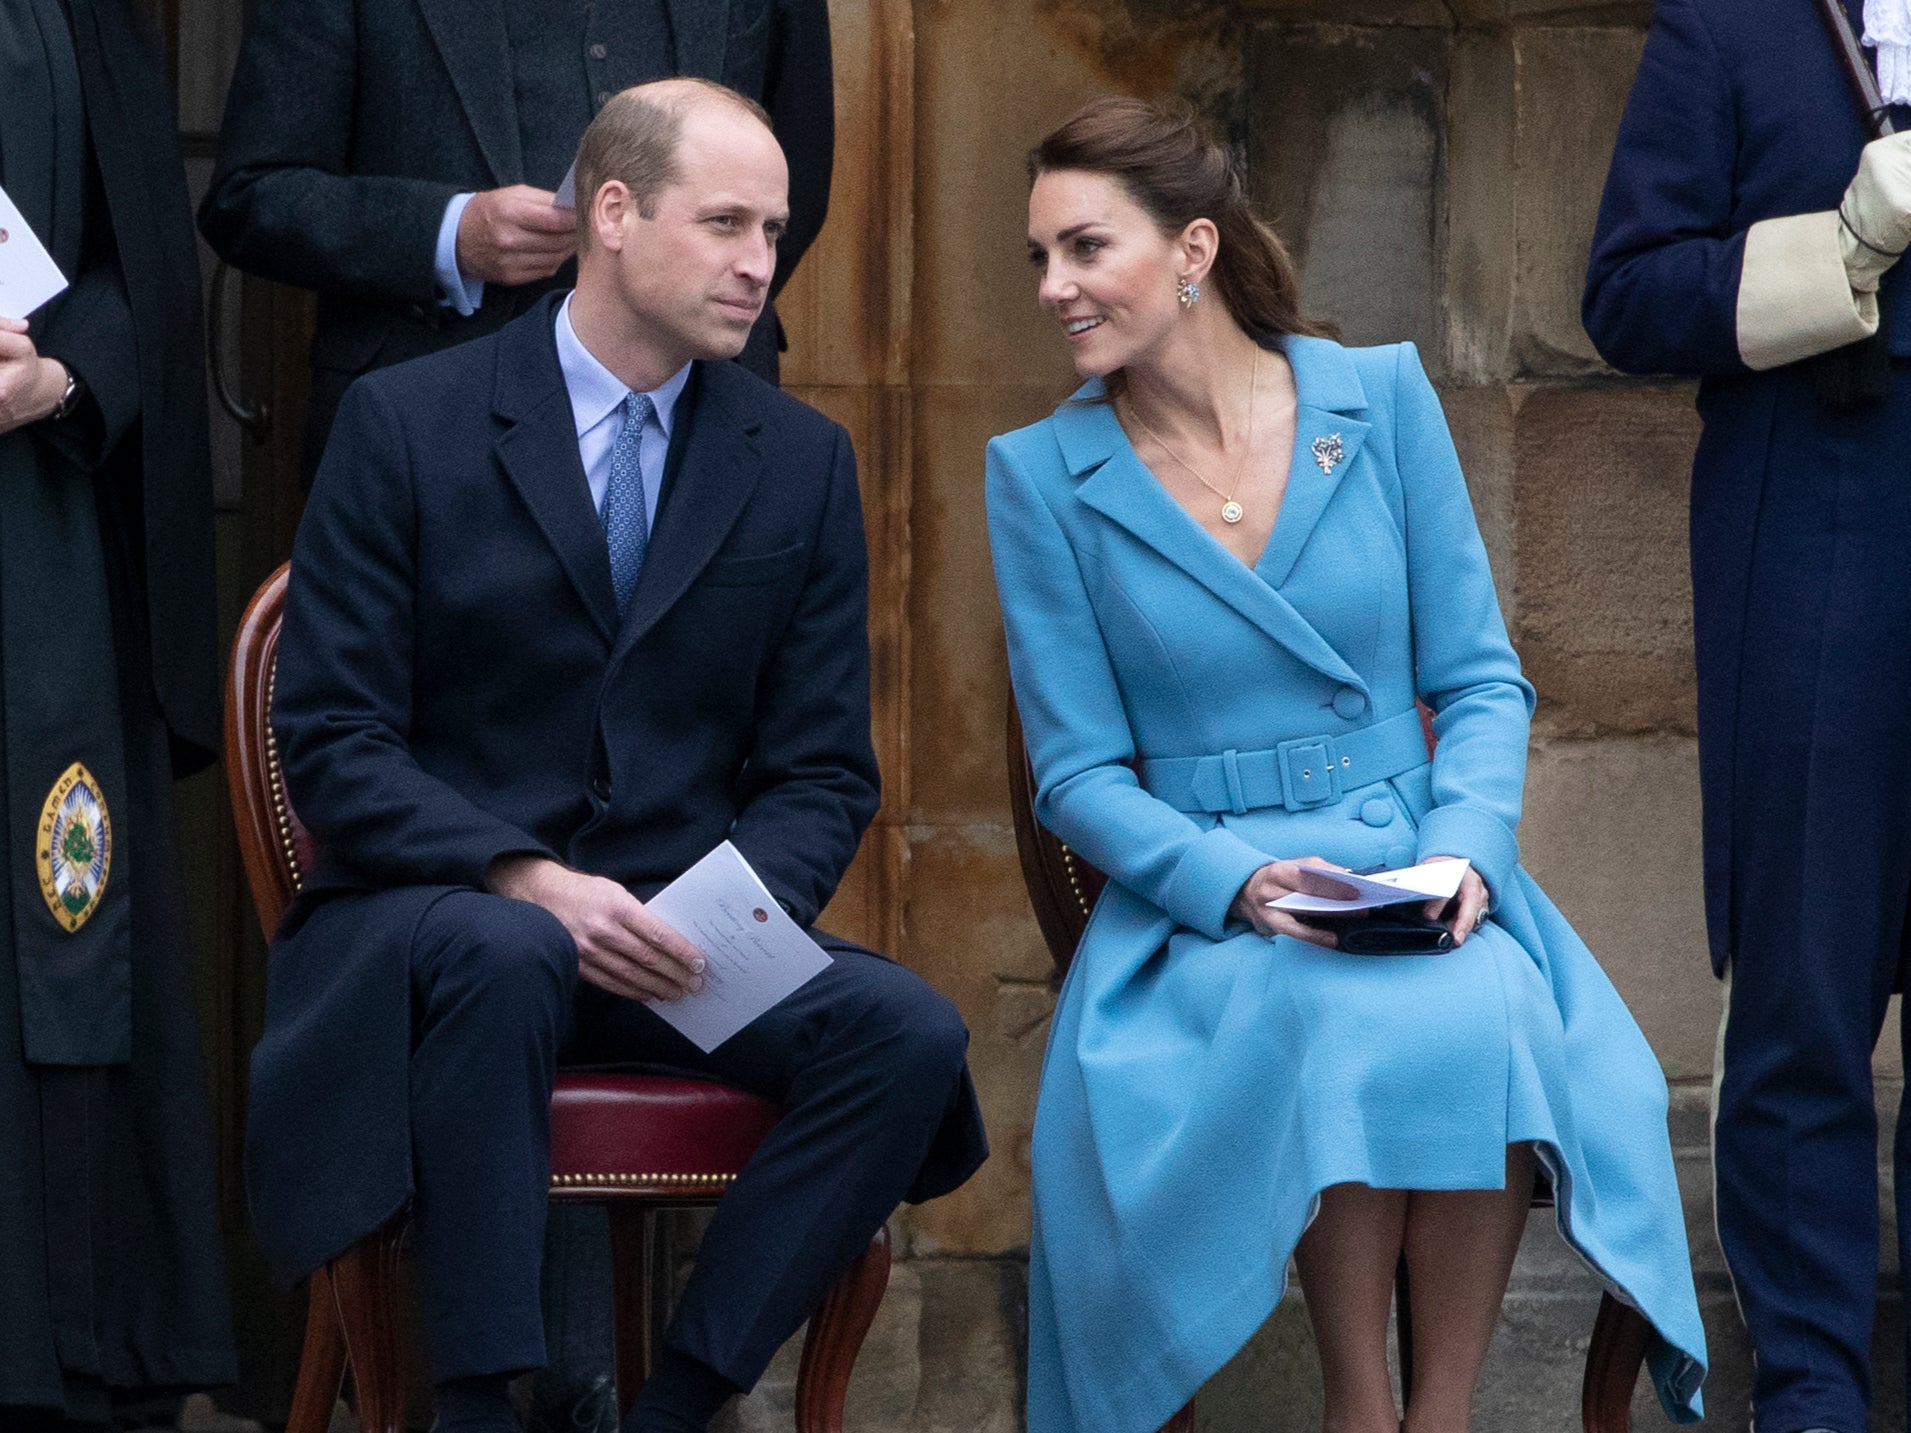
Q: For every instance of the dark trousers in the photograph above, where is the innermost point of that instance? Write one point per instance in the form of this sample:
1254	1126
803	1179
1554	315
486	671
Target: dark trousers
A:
866	1059
1821	875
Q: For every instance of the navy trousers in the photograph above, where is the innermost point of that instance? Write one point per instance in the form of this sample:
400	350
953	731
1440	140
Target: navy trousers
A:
866	1059
1821	878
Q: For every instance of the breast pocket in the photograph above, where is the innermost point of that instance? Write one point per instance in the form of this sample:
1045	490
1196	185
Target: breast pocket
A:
752	570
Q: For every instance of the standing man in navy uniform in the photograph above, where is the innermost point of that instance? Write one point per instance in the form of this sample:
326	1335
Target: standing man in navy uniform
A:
1749	235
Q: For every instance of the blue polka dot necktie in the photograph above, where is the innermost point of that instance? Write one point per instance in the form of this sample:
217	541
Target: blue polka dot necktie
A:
626	521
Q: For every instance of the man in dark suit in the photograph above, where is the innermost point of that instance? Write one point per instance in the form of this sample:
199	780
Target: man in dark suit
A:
570	605
399	157
1749	236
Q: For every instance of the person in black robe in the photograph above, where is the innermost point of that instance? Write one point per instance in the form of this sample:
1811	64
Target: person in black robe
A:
112	1287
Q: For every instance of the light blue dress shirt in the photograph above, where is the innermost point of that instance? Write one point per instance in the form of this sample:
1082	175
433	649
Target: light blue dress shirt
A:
455	291
597	400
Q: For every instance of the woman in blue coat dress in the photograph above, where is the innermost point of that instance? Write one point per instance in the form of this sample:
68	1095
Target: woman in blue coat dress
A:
1220	708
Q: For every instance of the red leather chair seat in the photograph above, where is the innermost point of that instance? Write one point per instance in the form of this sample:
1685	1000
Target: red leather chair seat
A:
662	1131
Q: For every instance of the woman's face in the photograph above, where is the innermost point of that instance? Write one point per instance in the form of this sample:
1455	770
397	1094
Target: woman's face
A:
1108	272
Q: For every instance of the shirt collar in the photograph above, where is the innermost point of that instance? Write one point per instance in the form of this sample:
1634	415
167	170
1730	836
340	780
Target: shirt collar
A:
595	391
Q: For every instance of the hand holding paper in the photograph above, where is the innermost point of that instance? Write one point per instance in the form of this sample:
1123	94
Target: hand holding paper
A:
28	275
1436	880
754	954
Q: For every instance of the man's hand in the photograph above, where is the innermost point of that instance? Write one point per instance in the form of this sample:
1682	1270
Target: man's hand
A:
30	386
1280	878
1464	912
621	946
1876	212
514	236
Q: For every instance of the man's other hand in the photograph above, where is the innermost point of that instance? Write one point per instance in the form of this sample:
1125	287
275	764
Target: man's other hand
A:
621	946
514	235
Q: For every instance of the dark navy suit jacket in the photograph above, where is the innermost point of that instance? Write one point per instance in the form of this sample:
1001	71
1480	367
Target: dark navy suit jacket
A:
1740	112
454	684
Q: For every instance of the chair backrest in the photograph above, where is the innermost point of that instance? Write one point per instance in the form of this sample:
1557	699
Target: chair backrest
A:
276	848
1062	887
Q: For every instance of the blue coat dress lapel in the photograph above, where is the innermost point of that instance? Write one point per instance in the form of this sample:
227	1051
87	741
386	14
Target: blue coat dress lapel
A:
1327	438
1119	486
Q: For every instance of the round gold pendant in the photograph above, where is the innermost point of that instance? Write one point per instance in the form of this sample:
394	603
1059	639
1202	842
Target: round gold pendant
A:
1230	511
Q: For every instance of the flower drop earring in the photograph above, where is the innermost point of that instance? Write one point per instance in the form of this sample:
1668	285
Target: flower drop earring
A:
1189	293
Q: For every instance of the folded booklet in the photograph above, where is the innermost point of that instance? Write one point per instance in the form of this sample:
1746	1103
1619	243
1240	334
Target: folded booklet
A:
1437	880
28	275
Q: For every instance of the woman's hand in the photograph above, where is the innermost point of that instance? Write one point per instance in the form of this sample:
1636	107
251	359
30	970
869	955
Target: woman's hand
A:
1465	911
30	386
1281	878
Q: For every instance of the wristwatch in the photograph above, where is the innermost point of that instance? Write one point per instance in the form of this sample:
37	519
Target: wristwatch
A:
70	397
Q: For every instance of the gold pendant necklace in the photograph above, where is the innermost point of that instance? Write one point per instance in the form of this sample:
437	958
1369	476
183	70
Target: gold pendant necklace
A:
1231	511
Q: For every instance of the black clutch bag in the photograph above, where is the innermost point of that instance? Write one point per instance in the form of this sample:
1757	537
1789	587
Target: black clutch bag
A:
1385	930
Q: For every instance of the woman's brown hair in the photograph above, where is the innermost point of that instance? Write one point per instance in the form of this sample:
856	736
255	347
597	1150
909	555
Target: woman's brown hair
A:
1177	173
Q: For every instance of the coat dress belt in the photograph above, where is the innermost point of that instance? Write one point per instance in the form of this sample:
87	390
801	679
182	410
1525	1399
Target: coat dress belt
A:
1300	774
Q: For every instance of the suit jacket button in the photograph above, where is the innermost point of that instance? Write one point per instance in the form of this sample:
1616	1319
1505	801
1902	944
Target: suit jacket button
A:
1377	811
1349	703
600	787
603	98
599	52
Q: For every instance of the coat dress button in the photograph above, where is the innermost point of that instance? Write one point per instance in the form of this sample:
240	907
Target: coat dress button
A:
1349	703
1377	811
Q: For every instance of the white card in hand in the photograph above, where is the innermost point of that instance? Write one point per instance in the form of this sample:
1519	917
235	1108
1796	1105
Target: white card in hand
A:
754	954
28	275
1438	879
566	196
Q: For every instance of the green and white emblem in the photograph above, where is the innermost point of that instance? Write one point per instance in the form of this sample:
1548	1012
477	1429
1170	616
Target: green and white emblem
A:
74	847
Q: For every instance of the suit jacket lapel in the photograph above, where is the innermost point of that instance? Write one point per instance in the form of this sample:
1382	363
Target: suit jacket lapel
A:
714	466
700	33
1120	487
538	452
470	36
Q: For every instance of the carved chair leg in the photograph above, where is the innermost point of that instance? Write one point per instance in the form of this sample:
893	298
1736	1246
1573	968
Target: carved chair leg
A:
1403	1328
634	1306
836	1334
1182	1422
321	1361
1612	1367
365	1288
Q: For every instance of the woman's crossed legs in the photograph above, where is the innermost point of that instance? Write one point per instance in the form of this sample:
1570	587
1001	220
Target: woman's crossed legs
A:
1459	1246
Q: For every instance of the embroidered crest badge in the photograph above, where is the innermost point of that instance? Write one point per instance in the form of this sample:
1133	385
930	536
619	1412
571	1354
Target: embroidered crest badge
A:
73	847
1328	451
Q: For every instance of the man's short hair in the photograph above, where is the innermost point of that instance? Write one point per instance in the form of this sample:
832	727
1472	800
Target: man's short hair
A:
635	139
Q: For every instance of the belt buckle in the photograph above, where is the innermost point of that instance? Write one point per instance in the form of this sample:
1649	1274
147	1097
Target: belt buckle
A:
1308	774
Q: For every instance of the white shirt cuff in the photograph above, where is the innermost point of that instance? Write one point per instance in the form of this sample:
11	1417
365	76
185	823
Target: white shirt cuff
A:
454	289
1794	296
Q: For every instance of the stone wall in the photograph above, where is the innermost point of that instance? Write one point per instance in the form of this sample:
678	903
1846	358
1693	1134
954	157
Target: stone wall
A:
1436	166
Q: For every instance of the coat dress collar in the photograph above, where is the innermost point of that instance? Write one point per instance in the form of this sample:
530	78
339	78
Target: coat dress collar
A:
1118	485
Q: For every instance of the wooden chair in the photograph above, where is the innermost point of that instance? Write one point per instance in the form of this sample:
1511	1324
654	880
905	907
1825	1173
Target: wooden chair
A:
634	1143
1063	889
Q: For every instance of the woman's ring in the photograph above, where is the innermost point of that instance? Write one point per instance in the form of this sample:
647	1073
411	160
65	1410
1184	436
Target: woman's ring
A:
1479	920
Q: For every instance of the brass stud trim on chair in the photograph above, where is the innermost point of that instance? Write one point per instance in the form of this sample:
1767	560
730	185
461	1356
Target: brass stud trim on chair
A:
676	1181
1074	884
277	783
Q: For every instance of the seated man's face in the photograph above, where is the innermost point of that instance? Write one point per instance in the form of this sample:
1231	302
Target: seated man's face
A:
698	273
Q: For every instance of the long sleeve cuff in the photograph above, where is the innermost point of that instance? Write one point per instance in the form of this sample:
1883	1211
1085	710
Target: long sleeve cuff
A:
1795	298
1207	878
1483	839
455	291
